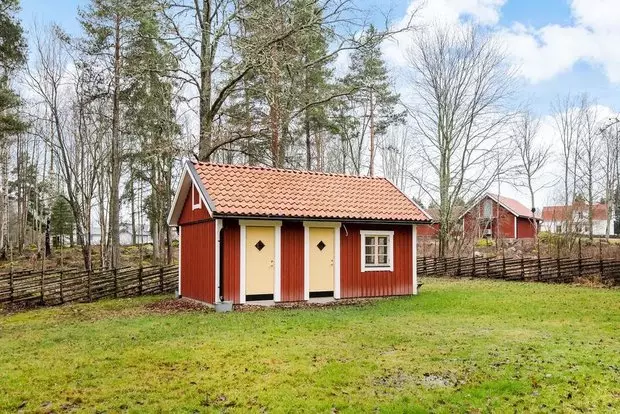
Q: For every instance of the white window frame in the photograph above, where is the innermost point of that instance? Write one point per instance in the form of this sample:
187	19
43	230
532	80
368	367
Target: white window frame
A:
196	205
390	251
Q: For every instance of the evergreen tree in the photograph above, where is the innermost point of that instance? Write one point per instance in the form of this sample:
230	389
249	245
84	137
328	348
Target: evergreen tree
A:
374	96
12	56
61	220
149	95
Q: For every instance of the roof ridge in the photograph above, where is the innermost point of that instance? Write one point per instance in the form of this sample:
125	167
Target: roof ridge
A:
287	170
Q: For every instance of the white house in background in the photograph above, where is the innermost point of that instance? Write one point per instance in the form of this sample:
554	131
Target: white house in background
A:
125	235
556	219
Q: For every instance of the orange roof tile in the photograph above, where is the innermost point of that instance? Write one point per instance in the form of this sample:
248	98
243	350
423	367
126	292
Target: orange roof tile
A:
240	190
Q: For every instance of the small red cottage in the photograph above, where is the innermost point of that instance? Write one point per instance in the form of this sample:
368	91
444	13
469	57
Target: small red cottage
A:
499	216
254	233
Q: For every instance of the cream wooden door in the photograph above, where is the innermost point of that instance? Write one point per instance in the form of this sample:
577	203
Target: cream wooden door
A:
260	260
321	258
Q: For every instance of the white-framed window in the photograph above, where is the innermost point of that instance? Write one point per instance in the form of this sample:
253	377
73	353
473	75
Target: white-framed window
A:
377	250
196	202
488	209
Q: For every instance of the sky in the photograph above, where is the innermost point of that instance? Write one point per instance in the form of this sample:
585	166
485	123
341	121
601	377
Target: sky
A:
556	46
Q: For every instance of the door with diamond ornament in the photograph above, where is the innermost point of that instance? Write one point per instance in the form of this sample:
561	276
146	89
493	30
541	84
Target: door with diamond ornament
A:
321	258
260	260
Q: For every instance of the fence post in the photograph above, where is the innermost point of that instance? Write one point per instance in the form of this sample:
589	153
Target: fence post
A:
89	287
504	267
11	285
445	266
487	268
539	264
140	281
559	267
522	263
435	266
473	266
42	287
115	273
579	259
161	279
458	267
62	296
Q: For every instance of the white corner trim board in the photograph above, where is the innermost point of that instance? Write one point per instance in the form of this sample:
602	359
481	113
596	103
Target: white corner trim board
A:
218	227
414	254
180	262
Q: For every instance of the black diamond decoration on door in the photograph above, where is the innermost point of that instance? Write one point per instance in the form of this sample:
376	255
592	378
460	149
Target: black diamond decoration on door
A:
321	245
259	245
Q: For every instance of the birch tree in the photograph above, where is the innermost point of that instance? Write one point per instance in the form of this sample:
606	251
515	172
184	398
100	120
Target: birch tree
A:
463	85
532	157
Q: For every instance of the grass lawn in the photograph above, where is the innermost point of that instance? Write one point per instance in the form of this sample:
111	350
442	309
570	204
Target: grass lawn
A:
458	346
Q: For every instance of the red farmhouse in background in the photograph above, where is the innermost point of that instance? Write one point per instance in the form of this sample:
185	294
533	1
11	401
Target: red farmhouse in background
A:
499	216
491	216
253	233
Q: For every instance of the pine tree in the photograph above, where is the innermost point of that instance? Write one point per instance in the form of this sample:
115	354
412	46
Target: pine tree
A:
149	96
109	25
374	95
61	219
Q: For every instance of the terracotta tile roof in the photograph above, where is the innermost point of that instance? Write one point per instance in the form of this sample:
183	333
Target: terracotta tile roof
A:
560	213
512	205
239	190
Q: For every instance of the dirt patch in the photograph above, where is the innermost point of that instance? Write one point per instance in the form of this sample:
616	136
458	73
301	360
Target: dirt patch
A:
168	306
11	308
306	305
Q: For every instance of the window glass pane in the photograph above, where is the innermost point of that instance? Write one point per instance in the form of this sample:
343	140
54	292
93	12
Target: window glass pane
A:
382	240
370	241
382	250
370	260
383	259
370	250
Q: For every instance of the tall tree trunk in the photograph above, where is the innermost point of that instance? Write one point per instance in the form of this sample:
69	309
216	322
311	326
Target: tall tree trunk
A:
115	154
371	170
206	118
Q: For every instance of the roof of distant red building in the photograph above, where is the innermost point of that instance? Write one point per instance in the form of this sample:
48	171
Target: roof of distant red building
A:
512	205
241	190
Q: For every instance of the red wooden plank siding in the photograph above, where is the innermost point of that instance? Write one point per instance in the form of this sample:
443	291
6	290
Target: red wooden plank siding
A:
230	262
292	254
191	216
198	261
525	228
355	283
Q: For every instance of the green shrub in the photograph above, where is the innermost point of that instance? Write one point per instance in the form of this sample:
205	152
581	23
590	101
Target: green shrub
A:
485	242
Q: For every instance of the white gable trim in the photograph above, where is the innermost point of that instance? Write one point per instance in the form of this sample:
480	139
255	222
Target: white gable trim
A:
189	179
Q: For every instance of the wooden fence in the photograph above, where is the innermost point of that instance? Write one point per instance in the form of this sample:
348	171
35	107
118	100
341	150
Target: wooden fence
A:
53	287
550	270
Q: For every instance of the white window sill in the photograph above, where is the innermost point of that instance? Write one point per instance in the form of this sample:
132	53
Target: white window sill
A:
377	269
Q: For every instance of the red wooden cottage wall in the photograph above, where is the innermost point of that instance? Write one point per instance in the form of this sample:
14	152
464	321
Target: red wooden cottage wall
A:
197	251
355	283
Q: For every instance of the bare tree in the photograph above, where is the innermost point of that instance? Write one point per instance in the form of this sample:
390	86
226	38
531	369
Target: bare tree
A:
611	142
568	118
589	159
463	83
532	157
79	150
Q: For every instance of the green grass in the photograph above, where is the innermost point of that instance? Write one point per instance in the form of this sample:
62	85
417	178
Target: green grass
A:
459	346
